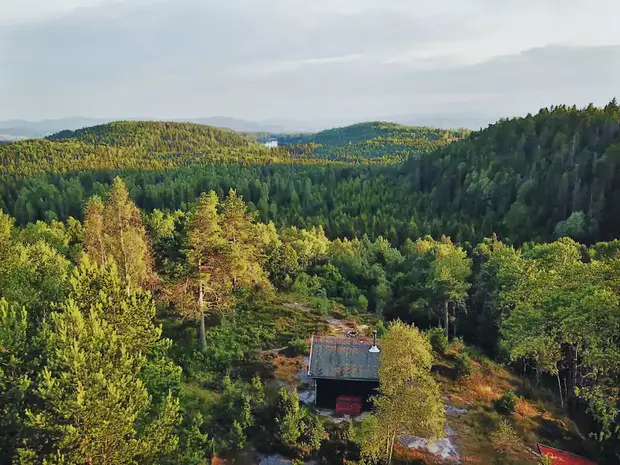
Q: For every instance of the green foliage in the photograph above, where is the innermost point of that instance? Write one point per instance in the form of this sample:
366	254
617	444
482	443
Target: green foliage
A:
374	140
463	366
564	317
507	403
91	399
15	377
288	418
574	226
33	276
298	346
491	181
506	443
439	341
351	233
132	144
113	231
296	429
409	398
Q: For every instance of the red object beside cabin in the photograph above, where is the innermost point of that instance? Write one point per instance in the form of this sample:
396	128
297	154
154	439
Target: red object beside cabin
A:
559	457
349	405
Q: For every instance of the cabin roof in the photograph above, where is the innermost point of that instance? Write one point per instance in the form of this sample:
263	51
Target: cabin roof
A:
560	457
345	358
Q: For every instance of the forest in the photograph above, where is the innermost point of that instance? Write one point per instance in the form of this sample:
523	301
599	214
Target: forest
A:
377	142
146	269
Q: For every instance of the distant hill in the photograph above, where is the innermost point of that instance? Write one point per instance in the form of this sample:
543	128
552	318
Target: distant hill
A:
133	144
166	145
21	129
373	140
241	125
155	136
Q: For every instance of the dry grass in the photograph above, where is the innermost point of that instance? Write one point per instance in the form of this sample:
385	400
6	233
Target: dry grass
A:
533	416
526	410
287	368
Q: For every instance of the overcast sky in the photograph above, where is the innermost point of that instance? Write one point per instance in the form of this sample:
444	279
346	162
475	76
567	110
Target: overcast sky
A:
304	59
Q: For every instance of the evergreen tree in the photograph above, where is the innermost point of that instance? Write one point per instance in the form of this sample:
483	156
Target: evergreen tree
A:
93	406
114	229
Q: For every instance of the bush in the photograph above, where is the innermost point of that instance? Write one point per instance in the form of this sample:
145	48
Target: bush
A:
439	341
507	403
506	443
298	346
545	460
464	366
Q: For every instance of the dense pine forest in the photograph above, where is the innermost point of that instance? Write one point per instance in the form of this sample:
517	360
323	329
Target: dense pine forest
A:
156	279
379	142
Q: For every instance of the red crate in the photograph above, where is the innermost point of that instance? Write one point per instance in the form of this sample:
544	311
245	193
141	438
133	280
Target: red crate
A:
349	405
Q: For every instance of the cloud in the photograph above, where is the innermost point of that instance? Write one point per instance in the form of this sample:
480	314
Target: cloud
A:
259	59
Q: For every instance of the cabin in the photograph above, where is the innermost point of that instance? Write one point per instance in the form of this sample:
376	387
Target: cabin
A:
345	372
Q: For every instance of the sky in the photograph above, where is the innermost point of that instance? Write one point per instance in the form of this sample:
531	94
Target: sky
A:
305	60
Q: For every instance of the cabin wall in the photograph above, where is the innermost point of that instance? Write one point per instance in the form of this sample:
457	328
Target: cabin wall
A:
328	390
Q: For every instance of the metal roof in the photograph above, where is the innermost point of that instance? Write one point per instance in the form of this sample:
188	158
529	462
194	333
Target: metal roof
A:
336	357
560	457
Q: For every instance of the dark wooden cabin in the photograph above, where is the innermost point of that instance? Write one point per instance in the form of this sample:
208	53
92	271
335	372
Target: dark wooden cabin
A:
345	372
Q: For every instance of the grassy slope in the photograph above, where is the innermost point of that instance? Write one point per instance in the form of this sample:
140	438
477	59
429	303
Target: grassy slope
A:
537	418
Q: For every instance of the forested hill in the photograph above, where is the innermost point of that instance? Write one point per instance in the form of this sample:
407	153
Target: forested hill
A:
133	145
156	136
373	140
544	176
554	173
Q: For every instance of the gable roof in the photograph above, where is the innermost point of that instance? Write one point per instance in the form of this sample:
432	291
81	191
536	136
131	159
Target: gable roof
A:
559	457
334	357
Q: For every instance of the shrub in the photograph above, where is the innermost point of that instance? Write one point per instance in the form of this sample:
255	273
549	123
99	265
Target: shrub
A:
507	403
439	341
457	346
298	346
464	366
506	442
545	460
381	329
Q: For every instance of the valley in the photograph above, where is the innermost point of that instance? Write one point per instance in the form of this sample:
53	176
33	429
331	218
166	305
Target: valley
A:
161	283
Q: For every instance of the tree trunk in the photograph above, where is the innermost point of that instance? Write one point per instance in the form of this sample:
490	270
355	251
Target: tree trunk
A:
454	324
392	441
203	335
101	248
124	251
446	317
560	389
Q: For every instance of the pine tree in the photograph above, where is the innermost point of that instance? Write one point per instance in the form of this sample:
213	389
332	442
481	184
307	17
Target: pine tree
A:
114	229
208	260
93	405
94	244
244	255
224	254
16	368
